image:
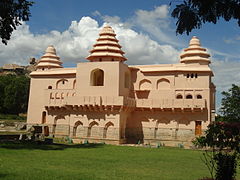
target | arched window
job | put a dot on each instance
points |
(189, 96)
(179, 96)
(126, 80)
(49, 87)
(199, 96)
(97, 77)
(192, 75)
(187, 75)
(61, 84)
(196, 75)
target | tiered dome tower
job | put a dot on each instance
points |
(106, 47)
(195, 53)
(49, 59)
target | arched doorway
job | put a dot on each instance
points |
(44, 117)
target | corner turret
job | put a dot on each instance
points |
(49, 60)
(195, 53)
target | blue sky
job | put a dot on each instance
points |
(145, 29)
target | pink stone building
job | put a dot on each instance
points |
(105, 100)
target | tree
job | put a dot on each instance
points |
(231, 104)
(191, 14)
(14, 94)
(221, 141)
(12, 12)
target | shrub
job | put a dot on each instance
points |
(222, 149)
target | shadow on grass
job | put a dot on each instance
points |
(3, 175)
(44, 146)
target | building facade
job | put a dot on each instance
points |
(106, 100)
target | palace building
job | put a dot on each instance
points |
(106, 100)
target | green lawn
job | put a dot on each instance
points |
(96, 161)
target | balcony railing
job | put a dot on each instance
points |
(57, 97)
(171, 103)
(101, 101)
(62, 97)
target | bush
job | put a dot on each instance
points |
(222, 143)
(226, 166)
(12, 117)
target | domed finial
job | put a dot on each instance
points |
(50, 49)
(195, 53)
(194, 42)
(107, 30)
(49, 59)
(106, 47)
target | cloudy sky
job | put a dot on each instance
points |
(145, 29)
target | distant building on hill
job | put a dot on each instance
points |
(106, 100)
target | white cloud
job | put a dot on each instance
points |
(226, 73)
(140, 49)
(233, 40)
(73, 44)
(157, 23)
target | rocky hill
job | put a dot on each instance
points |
(17, 69)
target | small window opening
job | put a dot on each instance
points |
(100, 59)
(196, 75)
(192, 75)
(199, 96)
(43, 69)
(49, 87)
(187, 75)
(179, 96)
(112, 59)
(189, 96)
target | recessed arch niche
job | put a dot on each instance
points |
(78, 130)
(145, 84)
(163, 84)
(97, 77)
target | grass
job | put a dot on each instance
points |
(98, 162)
